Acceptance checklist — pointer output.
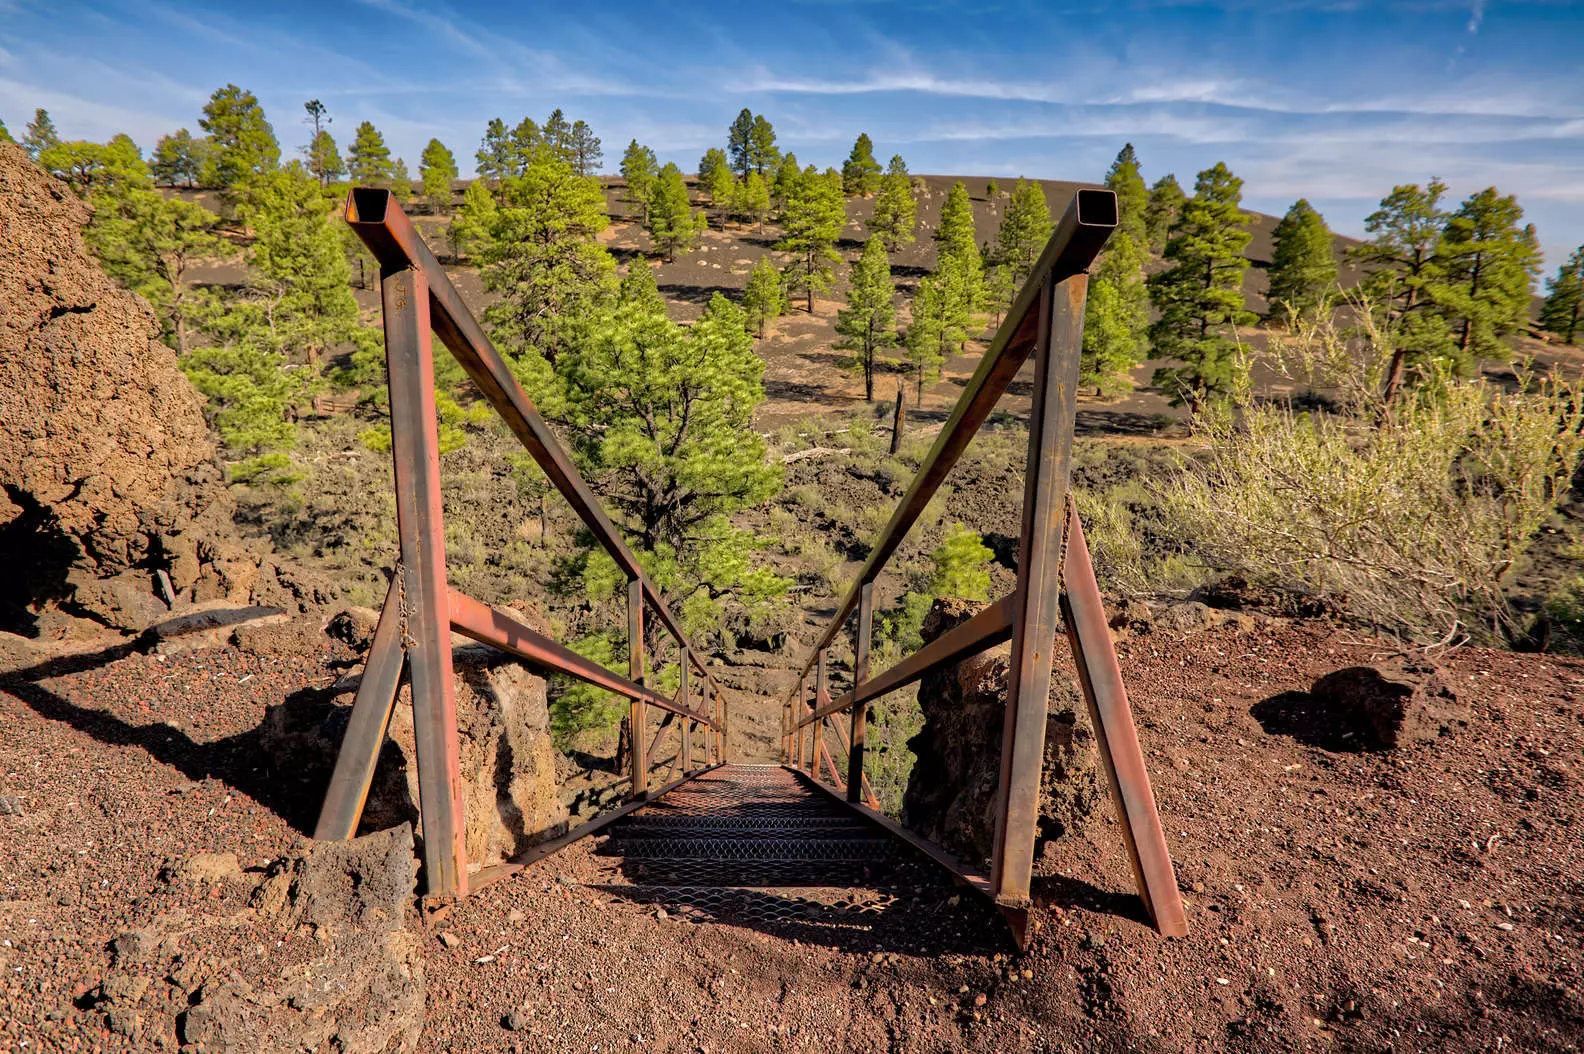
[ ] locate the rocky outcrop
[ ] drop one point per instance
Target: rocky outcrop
(951, 792)
(327, 960)
(511, 796)
(107, 466)
(1391, 704)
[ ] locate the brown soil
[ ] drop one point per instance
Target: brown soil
(1427, 899)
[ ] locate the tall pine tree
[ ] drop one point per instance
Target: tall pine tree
(1025, 228)
(959, 264)
(673, 224)
(494, 157)
(1564, 304)
(867, 324)
(437, 169)
(1116, 318)
(739, 142)
(1200, 297)
(587, 153)
(1161, 212)
(242, 143)
(813, 218)
(895, 206)
(1491, 261)
(861, 172)
(1303, 268)
(368, 158)
(764, 299)
(176, 160)
(639, 169)
(40, 134)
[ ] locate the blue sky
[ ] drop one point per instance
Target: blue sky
(1333, 100)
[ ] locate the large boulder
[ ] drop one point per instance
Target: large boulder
(1395, 703)
(107, 466)
(511, 798)
(951, 793)
(324, 958)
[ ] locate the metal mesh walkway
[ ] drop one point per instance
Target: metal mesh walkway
(754, 845)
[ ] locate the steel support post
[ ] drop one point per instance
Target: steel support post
(1117, 739)
(855, 746)
(365, 731)
(687, 725)
(415, 449)
(635, 673)
(1036, 608)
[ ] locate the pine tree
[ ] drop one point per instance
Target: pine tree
(524, 142)
(787, 176)
(638, 168)
(895, 207)
(1025, 228)
(437, 168)
(715, 179)
(749, 199)
(932, 331)
(176, 160)
(992, 191)
(1564, 304)
(401, 182)
(960, 266)
(91, 167)
(542, 256)
(764, 299)
(149, 243)
(1303, 268)
(40, 134)
(557, 136)
(867, 324)
(368, 158)
(762, 146)
(739, 142)
(494, 156)
(861, 173)
(660, 419)
(471, 230)
(1405, 278)
(813, 219)
(323, 159)
(5, 134)
(586, 152)
(639, 288)
(673, 224)
(1160, 213)
(242, 143)
(1200, 298)
(1116, 318)
(1491, 264)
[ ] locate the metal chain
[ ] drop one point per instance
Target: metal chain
(407, 641)
(1067, 523)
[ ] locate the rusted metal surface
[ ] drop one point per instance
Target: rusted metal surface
(635, 673)
(1036, 604)
(479, 621)
(421, 578)
(989, 627)
(365, 732)
(1117, 739)
(860, 714)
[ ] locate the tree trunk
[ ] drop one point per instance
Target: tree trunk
(898, 418)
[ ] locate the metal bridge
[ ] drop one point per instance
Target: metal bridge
(719, 835)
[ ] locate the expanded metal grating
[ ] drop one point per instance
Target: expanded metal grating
(753, 845)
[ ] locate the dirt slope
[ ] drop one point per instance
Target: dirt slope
(1422, 901)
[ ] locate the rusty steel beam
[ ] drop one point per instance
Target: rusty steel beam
(687, 726)
(485, 624)
(379, 221)
(365, 732)
(1077, 239)
(635, 673)
(415, 451)
(1117, 739)
(860, 714)
(1036, 605)
(989, 627)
